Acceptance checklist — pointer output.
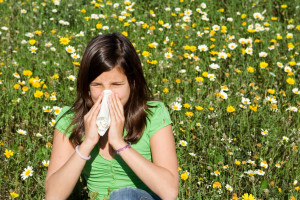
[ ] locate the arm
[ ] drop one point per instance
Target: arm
(65, 164)
(161, 176)
(65, 167)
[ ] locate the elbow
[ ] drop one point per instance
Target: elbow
(170, 194)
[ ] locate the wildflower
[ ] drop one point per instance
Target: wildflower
(184, 176)
(14, 195)
(75, 56)
(237, 162)
(189, 114)
(8, 153)
(27, 73)
(277, 165)
(47, 109)
(285, 138)
(53, 98)
(153, 45)
(230, 109)
(211, 77)
(214, 66)
(52, 123)
(22, 132)
(232, 46)
(216, 173)
(176, 106)
(27, 172)
(38, 94)
(183, 143)
(199, 108)
(264, 164)
(166, 90)
(250, 172)
(264, 132)
(56, 110)
(168, 55)
(217, 185)
(46, 163)
(296, 91)
(290, 81)
(202, 47)
(246, 101)
(64, 40)
(32, 49)
(263, 54)
(263, 65)
(186, 105)
(287, 69)
(71, 78)
(229, 188)
(249, 50)
(279, 64)
(38, 135)
(292, 108)
(246, 196)
(199, 79)
(70, 49)
(192, 154)
(259, 172)
(223, 95)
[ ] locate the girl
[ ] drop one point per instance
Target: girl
(136, 157)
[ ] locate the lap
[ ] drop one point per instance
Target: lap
(129, 193)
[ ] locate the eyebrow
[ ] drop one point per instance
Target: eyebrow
(96, 82)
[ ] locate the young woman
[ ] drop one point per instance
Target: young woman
(136, 157)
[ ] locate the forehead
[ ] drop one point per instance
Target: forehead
(116, 74)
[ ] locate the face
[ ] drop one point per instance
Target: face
(114, 80)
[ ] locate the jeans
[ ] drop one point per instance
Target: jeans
(129, 193)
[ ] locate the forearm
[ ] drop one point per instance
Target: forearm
(61, 183)
(160, 180)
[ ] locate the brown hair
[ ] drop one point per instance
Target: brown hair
(103, 53)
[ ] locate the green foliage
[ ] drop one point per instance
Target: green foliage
(230, 143)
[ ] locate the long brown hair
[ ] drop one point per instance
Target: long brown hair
(103, 53)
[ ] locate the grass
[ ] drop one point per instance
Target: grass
(224, 145)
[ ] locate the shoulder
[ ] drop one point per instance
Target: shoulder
(155, 106)
(64, 119)
(157, 116)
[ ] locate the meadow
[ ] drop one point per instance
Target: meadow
(228, 72)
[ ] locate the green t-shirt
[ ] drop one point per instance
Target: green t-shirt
(101, 173)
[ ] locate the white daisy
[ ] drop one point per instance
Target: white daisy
(176, 106)
(214, 66)
(168, 55)
(56, 110)
(71, 78)
(22, 132)
(27, 172)
(70, 49)
(183, 143)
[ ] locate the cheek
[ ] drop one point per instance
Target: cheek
(123, 95)
(95, 93)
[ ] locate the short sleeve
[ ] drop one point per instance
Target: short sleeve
(63, 120)
(158, 119)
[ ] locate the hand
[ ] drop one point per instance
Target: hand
(115, 132)
(90, 126)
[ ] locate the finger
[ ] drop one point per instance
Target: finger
(95, 106)
(97, 110)
(117, 108)
(114, 108)
(111, 112)
(121, 108)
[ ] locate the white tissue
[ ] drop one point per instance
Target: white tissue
(103, 118)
